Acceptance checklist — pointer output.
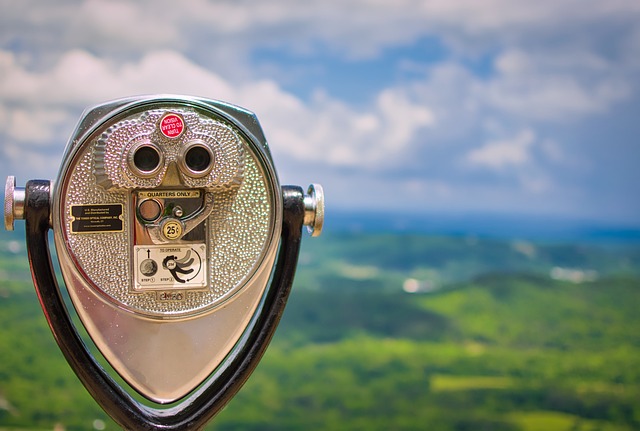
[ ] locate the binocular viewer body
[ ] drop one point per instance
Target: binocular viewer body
(171, 228)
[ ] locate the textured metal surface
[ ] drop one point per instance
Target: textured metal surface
(239, 229)
(9, 188)
(164, 341)
(14, 198)
(165, 360)
(111, 150)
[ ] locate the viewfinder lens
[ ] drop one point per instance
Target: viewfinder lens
(146, 159)
(197, 159)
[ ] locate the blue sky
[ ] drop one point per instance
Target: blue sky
(441, 106)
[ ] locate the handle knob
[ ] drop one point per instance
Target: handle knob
(14, 198)
(314, 209)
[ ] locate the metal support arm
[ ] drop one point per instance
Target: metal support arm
(194, 411)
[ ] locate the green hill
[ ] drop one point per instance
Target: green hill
(501, 335)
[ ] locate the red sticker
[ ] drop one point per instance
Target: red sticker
(172, 125)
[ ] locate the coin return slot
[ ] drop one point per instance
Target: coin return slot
(149, 210)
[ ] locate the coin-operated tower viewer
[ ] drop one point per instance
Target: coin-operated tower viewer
(177, 246)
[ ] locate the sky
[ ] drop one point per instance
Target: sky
(421, 107)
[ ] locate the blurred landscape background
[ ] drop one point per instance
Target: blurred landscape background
(393, 328)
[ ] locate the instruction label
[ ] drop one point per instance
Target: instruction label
(167, 267)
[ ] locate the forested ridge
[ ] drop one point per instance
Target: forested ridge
(396, 332)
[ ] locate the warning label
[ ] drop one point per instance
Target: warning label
(171, 125)
(170, 267)
(96, 218)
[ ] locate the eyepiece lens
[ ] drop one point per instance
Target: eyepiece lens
(198, 159)
(146, 159)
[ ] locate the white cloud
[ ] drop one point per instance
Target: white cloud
(515, 156)
(535, 79)
(500, 154)
(555, 85)
(553, 151)
(124, 24)
(328, 131)
(36, 126)
(353, 28)
(536, 184)
(80, 78)
(332, 132)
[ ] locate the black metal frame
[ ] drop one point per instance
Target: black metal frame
(194, 411)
